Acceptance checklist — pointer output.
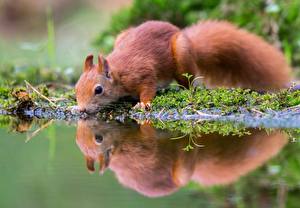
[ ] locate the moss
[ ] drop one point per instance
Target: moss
(203, 128)
(12, 98)
(168, 103)
(4, 121)
(194, 99)
(225, 100)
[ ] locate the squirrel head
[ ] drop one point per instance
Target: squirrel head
(97, 142)
(96, 86)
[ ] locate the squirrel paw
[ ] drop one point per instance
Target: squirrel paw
(143, 106)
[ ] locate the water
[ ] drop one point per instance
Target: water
(89, 163)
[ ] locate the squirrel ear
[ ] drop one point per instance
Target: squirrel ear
(88, 62)
(90, 164)
(103, 66)
(104, 159)
(100, 63)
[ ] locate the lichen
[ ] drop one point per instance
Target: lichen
(170, 105)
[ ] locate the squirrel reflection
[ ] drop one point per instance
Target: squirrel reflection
(148, 161)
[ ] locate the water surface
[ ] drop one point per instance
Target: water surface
(91, 163)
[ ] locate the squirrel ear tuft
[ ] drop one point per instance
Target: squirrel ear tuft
(90, 164)
(104, 160)
(88, 62)
(100, 63)
(103, 66)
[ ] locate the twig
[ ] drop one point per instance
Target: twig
(162, 122)
(197, 145)
(180, 137)
(160, 112)
(33, 134)
(292, 107)
(206, 114)
(257, 111)
(194, 80)
(200, 120)
(40, 94)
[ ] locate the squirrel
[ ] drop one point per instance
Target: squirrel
(146, 160)
(150, 56)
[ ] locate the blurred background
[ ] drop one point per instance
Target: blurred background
(50, 39)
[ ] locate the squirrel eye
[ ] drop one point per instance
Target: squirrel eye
(99, 139)
(98, 90)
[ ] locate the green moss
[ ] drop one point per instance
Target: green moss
(4, 121)
(203, 128)
(14, 97)
(196, 100)
(225, 100)
(191, 100)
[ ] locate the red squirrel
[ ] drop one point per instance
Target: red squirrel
(148, 161)
(150, 56)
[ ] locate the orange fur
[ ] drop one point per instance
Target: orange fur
(232, 57)
(148, 161)
(151, 55)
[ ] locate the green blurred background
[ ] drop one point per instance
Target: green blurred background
(50, 39)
